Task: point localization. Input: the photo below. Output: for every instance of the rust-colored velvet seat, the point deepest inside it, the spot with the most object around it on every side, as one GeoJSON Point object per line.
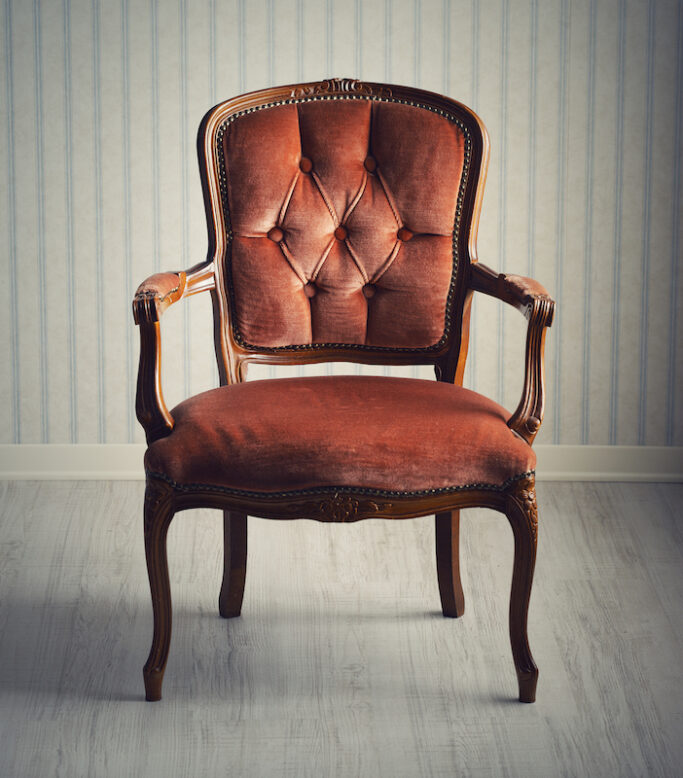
{"type": "Point", "coordinates": [356, 432]}
{"type": "Point", "coordinates": [342, 221]}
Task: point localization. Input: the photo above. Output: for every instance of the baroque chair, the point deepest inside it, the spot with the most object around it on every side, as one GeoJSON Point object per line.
{"type": "Point", "coordinates": [342, 220]}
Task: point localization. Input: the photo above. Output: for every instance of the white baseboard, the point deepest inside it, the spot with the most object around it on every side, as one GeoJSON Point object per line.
{"type": "Point", "coordinates": [123, 462]}
{"type": "Point", "coordinates": [69, 462]}
{"type": "Point", "coordinates": [609, 463]}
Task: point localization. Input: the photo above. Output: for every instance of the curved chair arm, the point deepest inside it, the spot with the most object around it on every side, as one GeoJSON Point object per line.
{"type": "Point", "coordinates": [152, 298]}
{"type": "Point", "coordinates": [155, 294]}
{"type": "Point", "coordinates": [531, 298]}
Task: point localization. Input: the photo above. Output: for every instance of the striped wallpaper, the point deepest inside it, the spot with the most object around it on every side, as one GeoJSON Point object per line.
{"type": "Point", "coordinates": [100, 104]}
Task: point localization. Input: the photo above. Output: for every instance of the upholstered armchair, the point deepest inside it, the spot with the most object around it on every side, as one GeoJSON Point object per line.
{"type": "Point", "coordinates": [342, 220]}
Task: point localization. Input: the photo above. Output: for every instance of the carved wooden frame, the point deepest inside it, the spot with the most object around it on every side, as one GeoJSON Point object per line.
{"type": "Point", "coordinates": [516, 499]}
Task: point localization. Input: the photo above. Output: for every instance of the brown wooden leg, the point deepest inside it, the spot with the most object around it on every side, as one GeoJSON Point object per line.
{"type": "Point", "coordinates": [448, 563]}
{"type": "Point", "coordinates": [522, 514]}
{"type": "Point", "coordinates": [235, 564]}
{"type": "Point", "coordinates": [158, 514]}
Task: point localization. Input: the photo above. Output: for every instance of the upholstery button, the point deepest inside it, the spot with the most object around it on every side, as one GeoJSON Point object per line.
{"type": "Point", "coordinates": [369, 290]}
{"type": "Point", "coordinates": [276, 234]}
{"type": "Point", "coordinates": [305, 165]}
{"type": "Point", "coordinates": [340, 233]}
{"type": "Point", "coordinates": [404, 234]}
{"type": "Point", "coordinates": [370, 164]}
{"type": "Point", "coordinates": [310, 290]}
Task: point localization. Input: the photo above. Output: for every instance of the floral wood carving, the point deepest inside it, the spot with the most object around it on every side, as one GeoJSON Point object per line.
{"type": "Point", "coordinates": [525, 494]}
{"type": "Point", "coordinates": [340, 508]}
{"type": "Point", "coordinates": [157, 493]}
{"type": "Point", "coordinates": [344, 85]}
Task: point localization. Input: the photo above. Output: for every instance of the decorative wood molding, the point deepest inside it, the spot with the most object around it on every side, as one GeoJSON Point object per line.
{"type": "Point", "coordinates": [152, 296]}
{"type": "Point", "coordinates": [341, 508]}
{"type": "Point", "coordinates": [522, 513]}
{"type": "Point", "coordinates": [518, 291]}
{"type": "Point", "coordinates": [523, 492]}
{"type": "Point", "coordinates": [158, 496]}
{"type": "Point", "coordinates": [340, 86]}
{"type": "Point", "coordinates": [527, 418]}
{"type": "Point", "coordinates": [151, 299]}
{"type": "Point", "coordinates": [150, 406]}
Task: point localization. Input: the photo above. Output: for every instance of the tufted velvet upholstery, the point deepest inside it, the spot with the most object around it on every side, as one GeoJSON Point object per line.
{"type": "Point", "coordinates": [391, 434]}
{"type": "Point", "coordinates": [342, 222]}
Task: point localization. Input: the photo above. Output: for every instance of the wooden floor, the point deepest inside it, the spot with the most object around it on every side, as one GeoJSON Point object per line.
{"type": "Point", "coordinates": [341, 664]}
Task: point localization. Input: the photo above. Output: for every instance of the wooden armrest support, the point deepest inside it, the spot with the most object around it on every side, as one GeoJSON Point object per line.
{"type": "Point", "coordinates": [518, 291]}
{"type": "Point", "coordinates": [531, 298]}
{"type": "Point", "coordinates": [151, 299]}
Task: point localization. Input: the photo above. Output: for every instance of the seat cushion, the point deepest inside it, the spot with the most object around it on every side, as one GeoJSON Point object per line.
{"type": "Point", "coordinates": [366, 432]}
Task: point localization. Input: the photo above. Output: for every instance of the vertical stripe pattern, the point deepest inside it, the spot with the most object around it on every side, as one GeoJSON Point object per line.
{"type": "Point", "coordinates": [96, 100]}
{"type": "Point", "coordinates": [531, 224]}
{"type": "Point", "coordinates": [502, 189]}
{"type": "Point", "coordinates": [561, 207]}
{"type": "Point", "coordinates": [156, 168]}
{"type": "Point", "coordinates": [212, 52]}
{"type": "Point", "coordinates": [69, 204]}
{"type": "Point", "coordinates": [329, 36]}
{"type": "Point", "coordinates": [675, 238]}
{"type": "Point", "coordinates": [184, 161]}
{"type": "Point", "coordinates": [15, 384]}
{"type": "Point", "coordinates": [99, 242]}
{"type": "Point", "coordinates": [387, 40]}
{"type": "Point", "coordinates": [588, 230]}
{"type": "Point", "coordinates": [647, 196]}
{"type": "Point", "coordinates": [127, 237]}
{"type": "Point", "coordinates": [474, 99]}
{"type": "Point", "coordinates": [40, 222]}
{"type": "Point", "coordinates": [445, 65]}
{"type": "Point", "coordinates": [618, 210]}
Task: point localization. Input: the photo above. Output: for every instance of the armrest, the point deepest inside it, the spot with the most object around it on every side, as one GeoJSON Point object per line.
{"type": "Point", "coordinates": [152, 298]}
{"type": "Point", "coordinates": [155, 294]}
{"type": "Point", "coordinates": [518, 291]}
{"type": "Point", "coordinates": [531, 298]}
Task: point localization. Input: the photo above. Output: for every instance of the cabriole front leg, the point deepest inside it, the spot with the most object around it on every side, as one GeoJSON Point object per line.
{"type": "Point", "coordinates": [159, 511]}
{"type": "Point", "coordinates": [522, 513]}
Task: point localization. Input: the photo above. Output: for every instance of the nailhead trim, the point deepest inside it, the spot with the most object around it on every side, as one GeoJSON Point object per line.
{"type": "Point", "coordinates": [337, 489]}
{"type": "Point", "coordinates": [456, 226]}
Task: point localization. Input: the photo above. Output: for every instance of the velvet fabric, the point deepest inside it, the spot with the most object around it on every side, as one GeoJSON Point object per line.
{"type": "Point", "coordinates": [342, 215]}
{"type": "Point", "coordinates": [526, 288]}
{"type": "Point", "coordinates": [160, 284]}
{"type": "Point", "coordinates": [390, 434]}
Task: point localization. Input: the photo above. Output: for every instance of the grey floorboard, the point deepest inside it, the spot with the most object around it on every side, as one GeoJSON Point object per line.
{"type": "Point", "coordinates": [341, 664]}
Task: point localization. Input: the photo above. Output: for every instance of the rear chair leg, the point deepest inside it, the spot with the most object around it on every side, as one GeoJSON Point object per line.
{"type": "Point", "coordinates": [522, 513]}
{"type": "Point", "coordinates": [159, 511]}
{"type": "Point", "coordinates": [235, 564]}
{"type": "Point", "coordinates": [448, 563]}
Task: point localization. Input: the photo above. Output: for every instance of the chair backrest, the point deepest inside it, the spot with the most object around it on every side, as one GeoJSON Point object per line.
{"type": "Point", "coordinates": [342, 221]}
